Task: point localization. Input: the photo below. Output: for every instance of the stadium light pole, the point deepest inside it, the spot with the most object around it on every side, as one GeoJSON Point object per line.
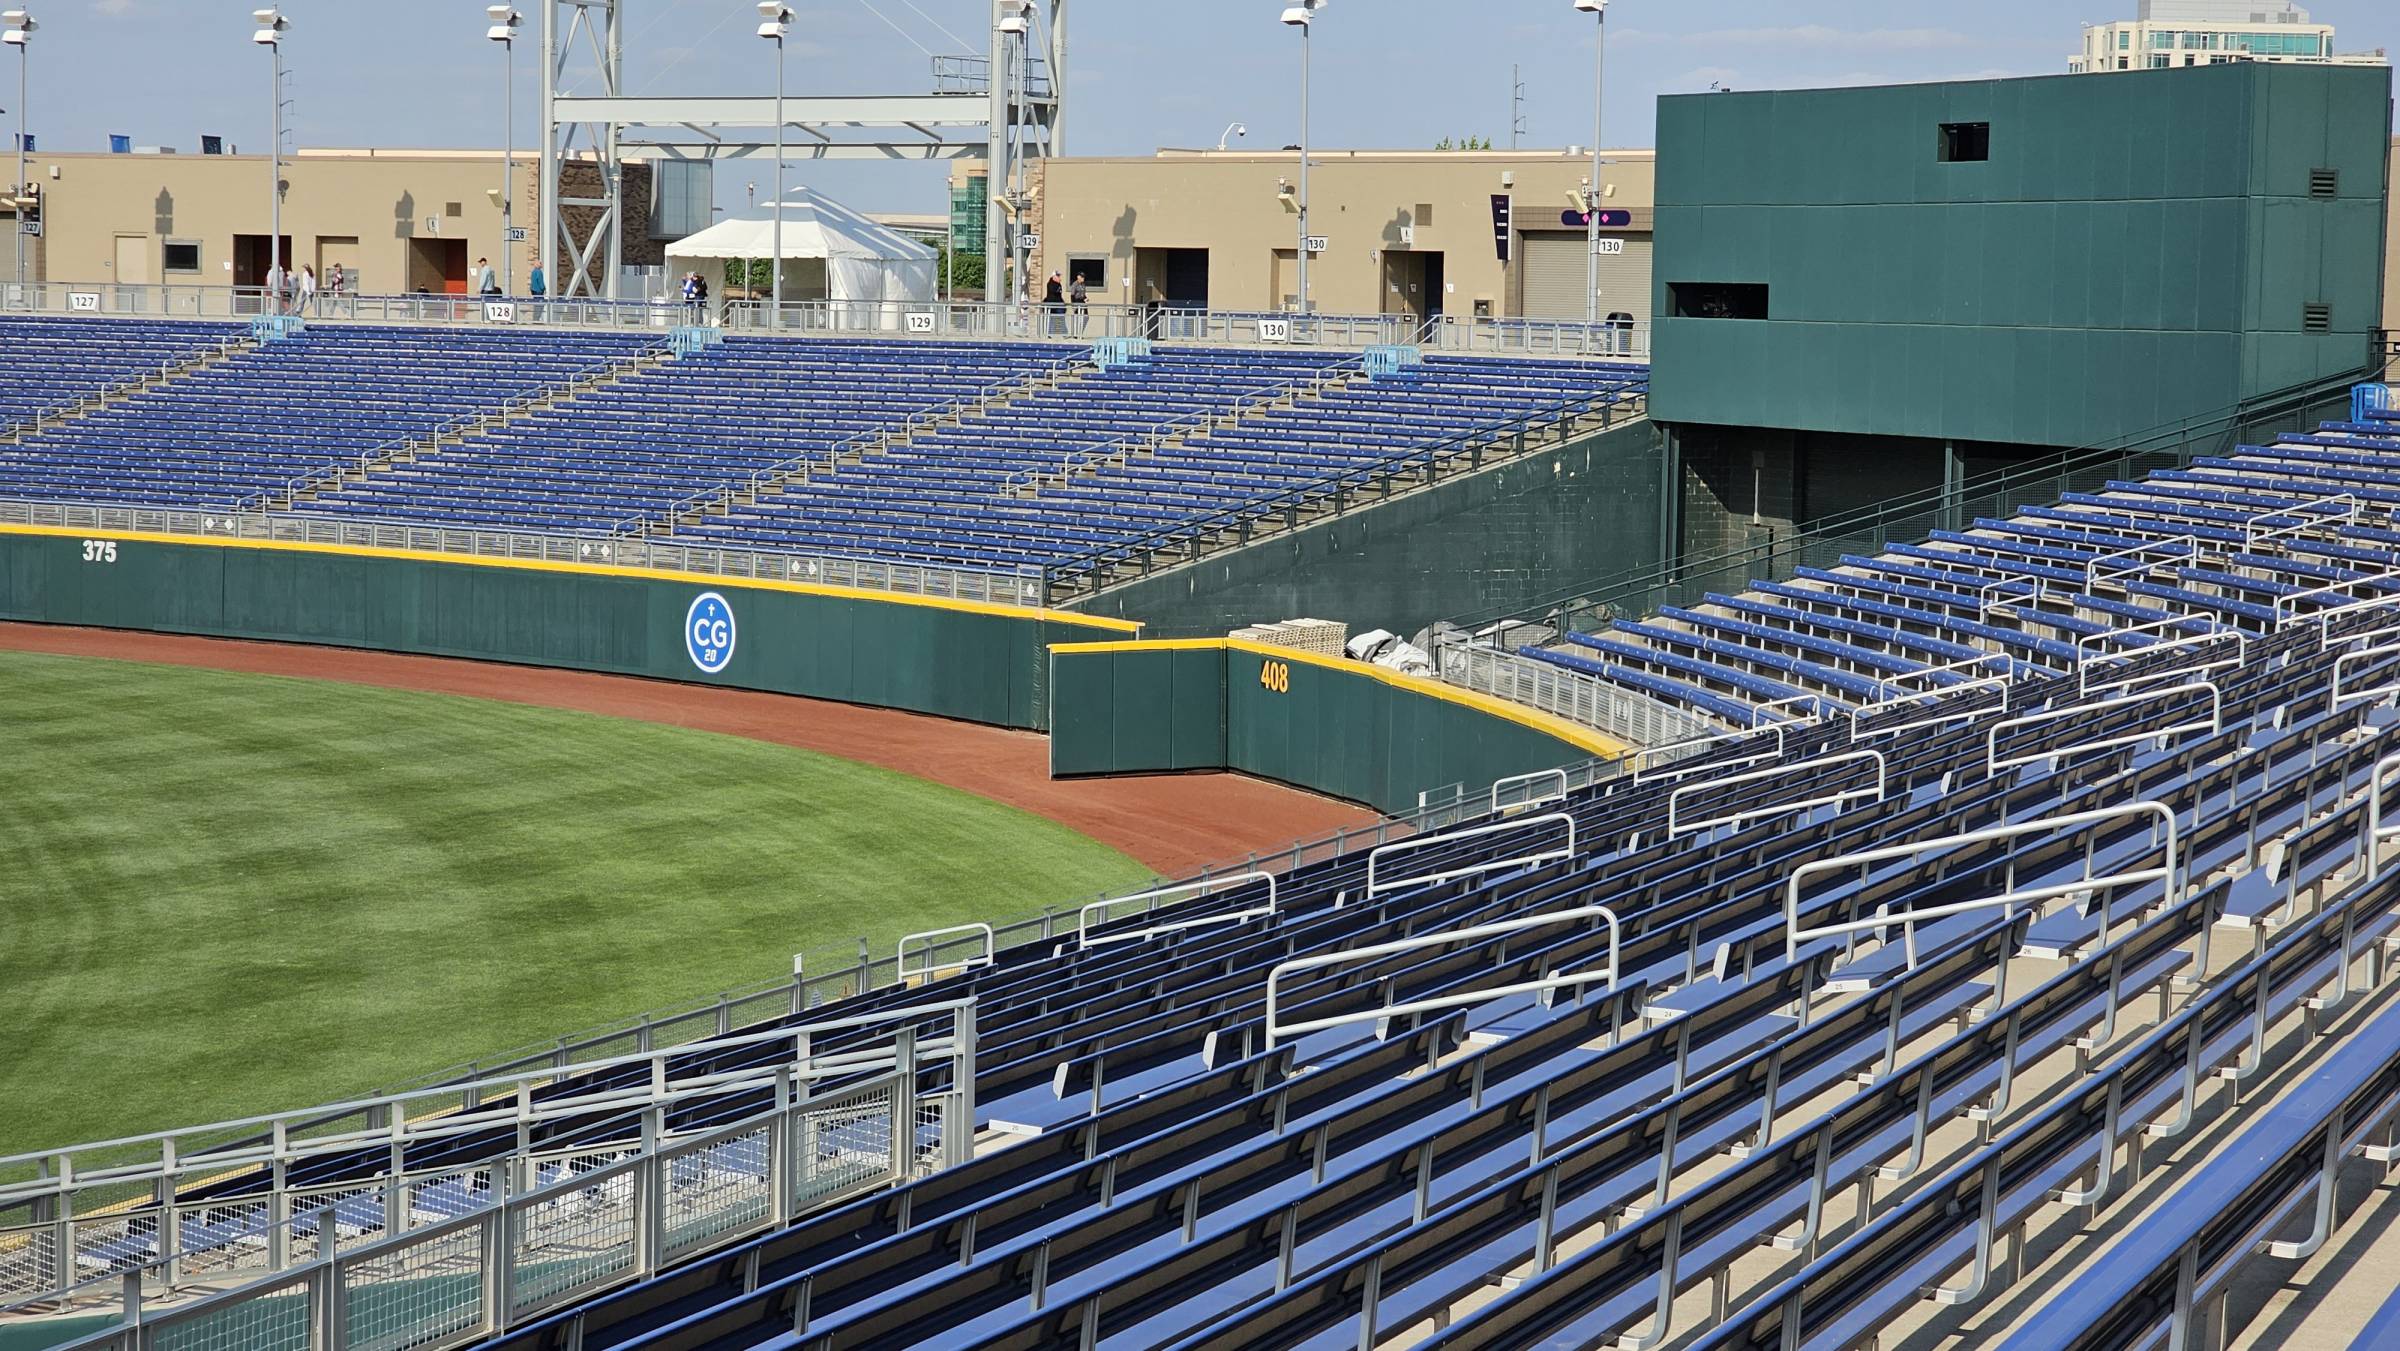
{"type": "Point", "coordinates": [1591, 206]}
{"type": "Point", "coordinates": [20, 35]}
{"type": "Point", "coordinates": [1302, 16]}
{"type": "Point", "coordinates": [1015, 22]}
{"type": "Point", "coordinates": [778, 22]}
{"type": "Point", "coordinates": [504, 31]}
{"type": "Point", "coordinates": [271, 26]}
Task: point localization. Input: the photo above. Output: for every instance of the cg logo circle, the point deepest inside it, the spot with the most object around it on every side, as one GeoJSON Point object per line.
{"type": "Point", "coordinates": [708, 632]}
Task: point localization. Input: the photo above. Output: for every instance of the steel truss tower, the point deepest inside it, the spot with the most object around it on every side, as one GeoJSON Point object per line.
{"type": "Point", "coordinates": [1006, 107]}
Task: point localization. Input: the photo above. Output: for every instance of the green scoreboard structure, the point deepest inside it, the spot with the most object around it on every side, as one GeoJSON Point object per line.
{"type": "Point", "coordinates": [1866, 292]}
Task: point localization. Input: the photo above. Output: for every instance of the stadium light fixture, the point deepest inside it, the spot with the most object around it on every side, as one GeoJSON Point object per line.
{"type": "Point", "coordinates": [271, 26]}
{"type": "Point", "coordinates": [20, 27]}
{"type": "Point", "coordinates": [775, 24]}
{"type": "Point", "coordinates": [1598, 9]}
{"type": "Point", "coordinates": [503, 30]}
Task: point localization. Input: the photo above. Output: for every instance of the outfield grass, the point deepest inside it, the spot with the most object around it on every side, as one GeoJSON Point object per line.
{"type": "Point", "coordinates": [226, 894]}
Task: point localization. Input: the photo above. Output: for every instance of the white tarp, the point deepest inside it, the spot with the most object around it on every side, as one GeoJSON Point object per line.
{"type": "Point", "coordinates": [829, 253]}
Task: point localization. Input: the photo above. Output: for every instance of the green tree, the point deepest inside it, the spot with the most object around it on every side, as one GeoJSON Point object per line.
{"type": "Point", "coordinates": [961, 272]}
{"type": "Point", "coordinates": [755, 275]}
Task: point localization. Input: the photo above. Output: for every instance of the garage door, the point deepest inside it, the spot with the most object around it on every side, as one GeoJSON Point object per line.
{"type": "Point", "coordinates": [1554, 273]}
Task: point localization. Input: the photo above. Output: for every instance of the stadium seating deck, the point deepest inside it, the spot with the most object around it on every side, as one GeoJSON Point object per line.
{"type": "Point", "coordinates": [992, 455]}
{"type": "Point", "coordinates": [1873, 1001]}
{"type": "Point", "coordinates": [281, 411]}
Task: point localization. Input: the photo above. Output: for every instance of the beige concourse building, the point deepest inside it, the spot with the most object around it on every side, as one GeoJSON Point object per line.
{"type": "Point", "coordinates": [395, 221]}
{"type": "Point", "coordinates": [1404, 232]}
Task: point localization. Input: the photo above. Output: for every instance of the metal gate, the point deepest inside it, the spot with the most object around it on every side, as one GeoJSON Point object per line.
{"type": "Point", "coordinates": [1554, 274]}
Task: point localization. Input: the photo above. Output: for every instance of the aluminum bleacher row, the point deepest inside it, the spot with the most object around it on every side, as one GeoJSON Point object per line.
{"type": "Point", "coordinates": [1011, 488]}
{"type": "Point", "coordinates": [987, 455]}
{"type": "Point", "coordinates": [52, 363]}
{"type": "Point", "coordinates": [1528, 1085]}
{"type": "Point", "coordinates": [2179, 554]}
{"type": "Point", "coordinates": [275, 412]}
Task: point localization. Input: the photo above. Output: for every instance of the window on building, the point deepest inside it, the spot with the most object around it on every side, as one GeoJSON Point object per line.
{"type": "Point", "coordinates": [1093, 270]}
{"type": "Point", "coordinates": [181, 255]}
{"type": "Point", "coordinates": [1717, 300]}
{"type": "Point", "coordinates": [2124, 39]}
{"type": "Point", "coordinates": [1966, 142]}
{"type": "Point", "coordinates": [2124, 64]}
{"type": "Point", "coordinates": [2161, 61]}
{"type": "Point", "coordinates": [2165, 39]}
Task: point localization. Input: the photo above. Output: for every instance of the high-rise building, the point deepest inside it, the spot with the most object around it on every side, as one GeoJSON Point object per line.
{"type": "Point", "coordinates": [2172, 33]}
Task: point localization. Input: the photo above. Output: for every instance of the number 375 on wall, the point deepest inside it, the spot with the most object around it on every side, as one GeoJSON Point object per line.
{"type": "Point", "coordinates": [1275, 676]}
{"type": "Point", "coordinates": [99, 551]}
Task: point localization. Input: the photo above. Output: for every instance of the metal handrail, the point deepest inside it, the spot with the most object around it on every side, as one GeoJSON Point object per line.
{"type": "Point", "coordinates": [2324, 618]}
{"type": "Point", "coordinates": [1676, 825]}
{"type": "Point", "coordinates": [1377, 886]}
{"type": "Point", "coordinates": [1528, 779]}
{"type": "Point", "coordinates": [1607, 594]}
{"type": "Point", "coordinates": [2253, 536]}
{"type": "Point", "coordinates": [1794, 935]}
{"type": "Point", "coordinates": [991, 951]}
{"type": "Point", "coordinates": [1644, 760]}
{"type": "Point", "coordinates": [2086, 663]}
{"type": "Point", "coordinates": [1195, 890]}
{"type": "Point", "coordinates": [2004, 682]}
{"type": "Point", "coordinates": [2377, 831]}
{"type": "Point", "coordinates": [394, 1106]}
{"type": "Point", "coordinates": [1276, 1027]}
{"type": "Point", "coordinates": [2137, 559]}
{"type": "Point", "coordinates": [1993, 764]}
{"type": "Point", "coordinates": [2363, 656]}
{"type": "Point", "coordinates": [498, 1238]}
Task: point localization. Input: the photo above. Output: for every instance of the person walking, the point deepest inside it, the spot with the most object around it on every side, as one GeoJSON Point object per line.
{"type": "Point", "coordinates": [1080, 297]}
{"type": "Point", "coordinates": [308, 289]}
{"type": "Point", "coordinates": [274, 296]}
{"type": "Point", "coordinates": [691, 297]}
{"type": "Point", "coordinates": [487, 282]}
{"type": "Point", "coordinates": [1054, 299]}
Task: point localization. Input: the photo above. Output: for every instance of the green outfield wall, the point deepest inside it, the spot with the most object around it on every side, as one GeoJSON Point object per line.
{"type": "Point", "coordinates": [1342, 728]}
{"type": "Point", "coordinates": [958, 659]}
{"type": "Point", "coordinates": [1488, 541]}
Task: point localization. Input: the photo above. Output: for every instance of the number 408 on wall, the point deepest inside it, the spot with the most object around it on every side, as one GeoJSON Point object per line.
{"type": "Point", "coordinates": [1275, 676]}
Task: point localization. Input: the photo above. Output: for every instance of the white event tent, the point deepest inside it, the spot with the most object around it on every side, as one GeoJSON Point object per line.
{"type": "Point", "coordinates": [830, 253]}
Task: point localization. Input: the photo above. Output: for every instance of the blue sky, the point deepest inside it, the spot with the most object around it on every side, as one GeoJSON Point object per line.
{"type": "Point", "coordinates": [1143, 73]}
